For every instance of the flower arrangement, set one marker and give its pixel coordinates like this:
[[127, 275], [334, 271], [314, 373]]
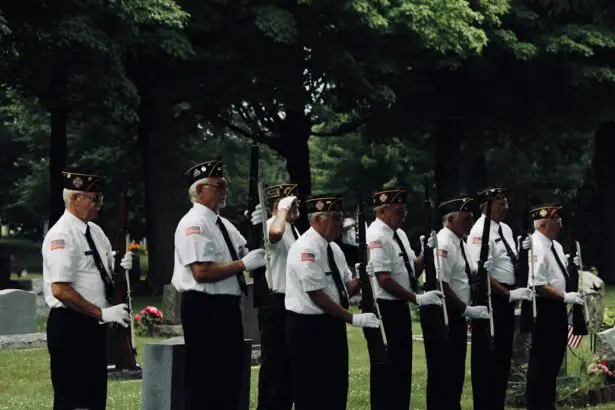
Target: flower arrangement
[[145, 320], [137, 248], [599, 366]]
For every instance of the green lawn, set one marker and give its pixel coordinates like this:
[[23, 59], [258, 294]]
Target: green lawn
[[25, 381]]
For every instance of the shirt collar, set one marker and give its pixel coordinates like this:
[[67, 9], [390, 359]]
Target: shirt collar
[[206, 212], [384, 227], [452, 234], [74, 221], [495, 226]]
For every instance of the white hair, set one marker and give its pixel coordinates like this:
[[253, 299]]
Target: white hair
[[313, 215], [539, 223], [67, 195], [192, 190], [445, 218]]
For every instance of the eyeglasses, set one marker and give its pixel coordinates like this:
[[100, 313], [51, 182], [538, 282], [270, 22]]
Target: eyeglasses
[[96, 199]]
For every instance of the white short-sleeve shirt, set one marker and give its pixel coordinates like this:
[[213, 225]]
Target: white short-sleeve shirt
[[277, 257], [503, 269], [199, 239], [67, 257], [546, 269], [307, 270], [453, 265], [385, 255]]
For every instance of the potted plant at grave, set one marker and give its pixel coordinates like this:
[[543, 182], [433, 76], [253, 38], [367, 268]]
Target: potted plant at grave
[[146, 319]]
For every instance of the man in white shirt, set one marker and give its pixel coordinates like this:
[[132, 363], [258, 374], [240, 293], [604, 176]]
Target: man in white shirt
[[397, 269], [274, 388], [446, 361], [318, 286], [78, 287], [210, 259], [503, 293], [550, 334]]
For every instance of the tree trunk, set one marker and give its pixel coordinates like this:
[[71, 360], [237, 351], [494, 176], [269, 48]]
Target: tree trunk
[[162, 177], [295, 133], [604, 171], [447, 162], [57, 160], [474, 174]]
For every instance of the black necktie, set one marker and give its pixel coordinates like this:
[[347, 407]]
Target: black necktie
[[240, 278], [560, 264], [294, 231], [404, 255], [337, 278], [509, 250], [99, 265], [471, 281]]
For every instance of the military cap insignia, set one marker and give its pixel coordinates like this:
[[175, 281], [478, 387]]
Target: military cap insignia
[[462, 204], [390, 196], [78, 182], [276, 192], [320, 205], [546, 211], [85, 181], [213, 168], [324, 203]]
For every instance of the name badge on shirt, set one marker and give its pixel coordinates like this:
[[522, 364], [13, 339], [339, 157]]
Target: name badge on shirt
[[498, 240], [327, 273], [88, 253]]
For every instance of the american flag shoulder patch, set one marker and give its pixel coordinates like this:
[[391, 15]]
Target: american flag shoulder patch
[[375, 244], [308, 257], [58, 244], [193, 230], [477, 240], [443, 253]]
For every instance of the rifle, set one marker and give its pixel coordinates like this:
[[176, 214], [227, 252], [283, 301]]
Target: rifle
[[528, 308], [580, 316], [125, 340], [483, 288], [376, 343], [257, 234], [433, 277]]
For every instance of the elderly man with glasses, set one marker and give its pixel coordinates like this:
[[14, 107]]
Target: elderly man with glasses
[[210, 259], [318, 286], [397, 269], [77, 268]]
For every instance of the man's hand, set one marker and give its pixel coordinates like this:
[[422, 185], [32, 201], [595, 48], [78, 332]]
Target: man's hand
[[126, 261], [477, 312], [574, 298], [488, 263], [116, 314], [520, 294], [433, 297], [527, 243], [254, 259], [369, 268], [365, 320], [286, 202], [256, 218]]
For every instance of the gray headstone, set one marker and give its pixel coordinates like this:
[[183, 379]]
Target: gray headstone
[[42, 309], [605, 343], [17, 312], [249, 315], [163, 375], [171, 305]]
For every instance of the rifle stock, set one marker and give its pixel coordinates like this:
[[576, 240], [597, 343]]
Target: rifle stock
[[579, 323], [435, 317], [376, 338], [125, 348], [260, 287], [527, 318]]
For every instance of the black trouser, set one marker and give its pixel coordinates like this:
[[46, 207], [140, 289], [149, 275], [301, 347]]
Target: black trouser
[[318, 350], [391, 383], [274, 383], [482, 355], [213, 334], [504, 329], [78, 358], [549, 341], [446, 359]]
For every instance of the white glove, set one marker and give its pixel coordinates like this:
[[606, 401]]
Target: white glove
[[433, 297], [527, 243], [286, 202], [116, 314], [477, 312], [369, 268], [126, 261], [254, 259], [577, 261], [489, 263], [365, 320], [520, 294], [575, 298], [257, 215]]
